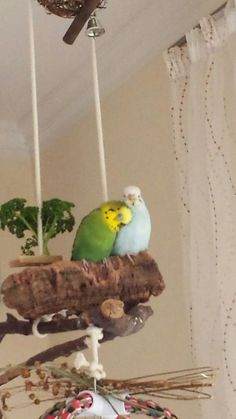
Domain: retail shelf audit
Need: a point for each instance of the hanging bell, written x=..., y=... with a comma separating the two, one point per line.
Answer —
x=94, y=28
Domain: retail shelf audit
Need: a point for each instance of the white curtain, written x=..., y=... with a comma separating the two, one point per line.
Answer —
x=203, y=86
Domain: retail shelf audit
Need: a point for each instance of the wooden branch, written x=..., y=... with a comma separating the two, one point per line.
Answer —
x=37, y=291
x=128, y=324
x=63, y=349
x=84, y=13
x=14, y=326
x=112, y=309
x=122, y=326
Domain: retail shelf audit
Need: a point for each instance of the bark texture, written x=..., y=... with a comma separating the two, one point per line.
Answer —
x=70, y=285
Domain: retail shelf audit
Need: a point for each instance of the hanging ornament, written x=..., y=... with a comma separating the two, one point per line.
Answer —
x=63, y=8
x=81, y=10
x=72, y=394
x=89, y=403
x=84, y=391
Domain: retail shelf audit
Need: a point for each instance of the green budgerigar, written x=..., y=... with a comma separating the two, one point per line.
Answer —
x=97, y=231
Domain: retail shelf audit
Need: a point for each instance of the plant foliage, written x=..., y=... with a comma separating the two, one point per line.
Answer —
x=20, y=219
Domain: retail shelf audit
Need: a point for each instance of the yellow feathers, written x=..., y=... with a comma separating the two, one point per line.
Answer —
x=115, y=214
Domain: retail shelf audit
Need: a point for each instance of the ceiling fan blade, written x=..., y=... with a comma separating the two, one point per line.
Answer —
x=79, y=21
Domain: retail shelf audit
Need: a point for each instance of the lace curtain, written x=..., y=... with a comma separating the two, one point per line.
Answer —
x=203, y=110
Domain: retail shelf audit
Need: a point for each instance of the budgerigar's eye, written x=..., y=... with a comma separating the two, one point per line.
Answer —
x=119, y=216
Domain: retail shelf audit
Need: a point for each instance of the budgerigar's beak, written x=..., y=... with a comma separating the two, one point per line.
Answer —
x=132, y=199
x=119, y=217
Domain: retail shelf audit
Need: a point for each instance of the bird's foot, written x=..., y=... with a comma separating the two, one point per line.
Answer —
x=131, y=258
x=106, y=262
x=85, y=265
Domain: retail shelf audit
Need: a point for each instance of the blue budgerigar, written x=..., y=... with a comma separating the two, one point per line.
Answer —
x=134, y=237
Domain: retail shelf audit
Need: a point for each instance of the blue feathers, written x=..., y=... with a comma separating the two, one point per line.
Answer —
x=134, y=237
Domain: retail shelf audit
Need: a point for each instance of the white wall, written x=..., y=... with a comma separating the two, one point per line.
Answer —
x=137, y=130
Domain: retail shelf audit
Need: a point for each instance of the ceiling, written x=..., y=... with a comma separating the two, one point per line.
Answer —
x=136, y=31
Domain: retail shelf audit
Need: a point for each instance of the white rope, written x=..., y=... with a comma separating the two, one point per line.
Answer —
x=99, y=122
x=38, y=187
x=98, y=371
x=94, y=368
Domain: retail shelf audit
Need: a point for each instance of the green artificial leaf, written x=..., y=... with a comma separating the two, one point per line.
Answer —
x=57, y=217
x=19, y=219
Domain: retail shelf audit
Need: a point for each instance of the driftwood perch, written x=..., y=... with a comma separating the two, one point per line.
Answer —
x=125, y=325
x=37, y=291
x=107, y=295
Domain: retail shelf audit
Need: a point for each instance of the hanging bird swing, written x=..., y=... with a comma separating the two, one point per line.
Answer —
x=118, y=228
x=102, y=285
x=110, y=272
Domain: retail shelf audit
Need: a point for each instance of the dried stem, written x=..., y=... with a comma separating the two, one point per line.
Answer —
x=64, y=349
